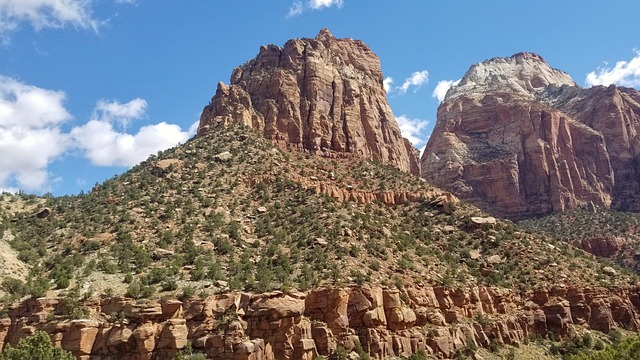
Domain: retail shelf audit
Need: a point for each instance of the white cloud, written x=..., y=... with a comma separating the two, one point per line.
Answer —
x=319, y=4
x=104, y=146
x=412, y=129
x=441, y=89
x=29, y=106
x=43, y=14
x=122, y=114
x=30, y=137
x=623, y=73
x=297, y=7
x=417, y=79
x=387, y=82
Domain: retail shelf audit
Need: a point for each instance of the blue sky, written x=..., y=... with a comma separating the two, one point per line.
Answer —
x=89, y=88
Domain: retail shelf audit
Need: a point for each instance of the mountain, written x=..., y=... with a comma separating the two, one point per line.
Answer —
x=521, y=139
x=322, y=95
x=247, y=251
x=252, y=241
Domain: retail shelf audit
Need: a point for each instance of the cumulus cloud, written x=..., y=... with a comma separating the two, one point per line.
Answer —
x=417, y=79
x=623, y=73
x=122, y=114
x=297, y=7
x=412, y=129
x=387, y=82
x=442, y=87
x=104, y=145
x=30, y=135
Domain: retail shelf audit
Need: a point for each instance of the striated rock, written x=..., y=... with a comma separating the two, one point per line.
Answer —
x=520, y=139
x=386, y=322
x=322, y=95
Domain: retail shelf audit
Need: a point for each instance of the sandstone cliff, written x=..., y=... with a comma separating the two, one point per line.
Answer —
x=322, y=95
x=520, y=139
x=386, y=322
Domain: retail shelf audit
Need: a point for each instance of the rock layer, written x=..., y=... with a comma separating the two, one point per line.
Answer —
x=521, y=139
x=386, y=322
x=322, y=95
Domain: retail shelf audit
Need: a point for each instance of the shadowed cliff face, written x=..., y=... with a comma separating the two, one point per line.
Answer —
x=521, y=139
x=323, y=95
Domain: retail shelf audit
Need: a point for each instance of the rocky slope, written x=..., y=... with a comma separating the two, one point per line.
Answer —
x=601, y=232
x=442, y=321
x=322, y=95
x=282, y=255
x=520, y=139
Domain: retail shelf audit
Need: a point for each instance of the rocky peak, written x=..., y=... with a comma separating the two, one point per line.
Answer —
x=520, y=139
x=325, y=35
x=322, y=95
x=524, y=74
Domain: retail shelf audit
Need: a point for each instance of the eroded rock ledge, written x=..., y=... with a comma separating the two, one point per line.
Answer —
x=275, y=325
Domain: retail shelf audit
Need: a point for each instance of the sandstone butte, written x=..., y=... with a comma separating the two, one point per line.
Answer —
x=322, y=95
x=280, y=326
x=521, y=139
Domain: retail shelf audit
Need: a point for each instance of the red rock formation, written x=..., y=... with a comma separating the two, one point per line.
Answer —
x=387, y=197
x=602, y=246
x=521, y=139
x=274, y=325
x=323, y=95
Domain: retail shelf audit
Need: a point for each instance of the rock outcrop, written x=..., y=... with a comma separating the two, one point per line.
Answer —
x=386, y=322
x=520, y=139
x=322, y=95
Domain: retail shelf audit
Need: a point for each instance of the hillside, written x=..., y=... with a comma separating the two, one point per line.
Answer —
x=602, y=232
x=229, y=212
x=265, y=219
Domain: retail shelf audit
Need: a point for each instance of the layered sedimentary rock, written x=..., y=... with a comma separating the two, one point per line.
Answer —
x=282, y=326
x=322, y=95
x=519, y=139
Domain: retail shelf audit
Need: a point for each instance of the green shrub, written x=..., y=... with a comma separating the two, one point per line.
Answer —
x=420, y=355
x=14, y=286
x=36, y=347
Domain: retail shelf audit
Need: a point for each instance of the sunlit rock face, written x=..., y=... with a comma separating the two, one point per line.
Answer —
x=322, y=95
x=521, y=139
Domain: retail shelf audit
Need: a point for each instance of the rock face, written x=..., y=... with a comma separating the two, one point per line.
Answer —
x=322, y=95
x=386, y=322
x=520, y=139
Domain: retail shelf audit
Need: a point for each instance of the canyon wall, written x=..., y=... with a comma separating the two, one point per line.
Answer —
x=386, y=322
